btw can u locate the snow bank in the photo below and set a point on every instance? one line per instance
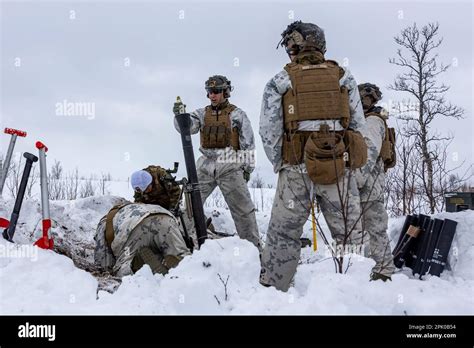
(36, 281)
(73, 224)
(221, 278)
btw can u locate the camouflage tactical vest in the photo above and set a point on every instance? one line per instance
(388, 149)
(165, 192)
(217, 132)
(315, 95)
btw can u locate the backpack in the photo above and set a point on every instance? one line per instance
(388, 151)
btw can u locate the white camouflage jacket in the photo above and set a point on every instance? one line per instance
(371, 177)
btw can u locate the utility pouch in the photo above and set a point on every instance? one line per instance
(388, 151)
(293, 147)
(324, 160)
(356, 148)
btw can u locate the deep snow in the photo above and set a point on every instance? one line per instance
(35, 281)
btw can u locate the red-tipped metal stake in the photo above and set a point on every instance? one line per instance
(44, 242)
(4, 168)
(4, 223)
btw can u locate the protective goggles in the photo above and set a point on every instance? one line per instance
(214, 90)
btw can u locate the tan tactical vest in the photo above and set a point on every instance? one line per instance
(217, 132)
(388, 150)
(315, 95)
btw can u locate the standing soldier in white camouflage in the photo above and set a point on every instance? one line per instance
(371, 181)
(310, 110)
(227, 145)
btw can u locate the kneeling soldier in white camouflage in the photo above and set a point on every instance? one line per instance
(371, 180)
(144, 232)
(227, 145)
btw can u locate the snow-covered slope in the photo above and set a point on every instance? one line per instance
(221, 278)
(73, 224)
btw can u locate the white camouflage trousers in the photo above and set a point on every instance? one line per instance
(229, 178)
(375, 223)
(292, 208)
(159, 232)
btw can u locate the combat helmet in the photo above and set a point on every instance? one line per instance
(369, 90)
(299, 36)
(219, 83)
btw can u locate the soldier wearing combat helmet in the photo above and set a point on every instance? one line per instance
(371, 181)
(311, 113)
(225, 133)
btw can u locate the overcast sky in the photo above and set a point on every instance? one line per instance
(129, 60)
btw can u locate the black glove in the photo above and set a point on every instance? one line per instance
(246, 176)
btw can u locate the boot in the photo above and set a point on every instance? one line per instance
(147, 256)
(377, 276)
(171, 261)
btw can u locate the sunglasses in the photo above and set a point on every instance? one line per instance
(215, 90)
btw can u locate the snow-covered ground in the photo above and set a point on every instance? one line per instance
(221, 278)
